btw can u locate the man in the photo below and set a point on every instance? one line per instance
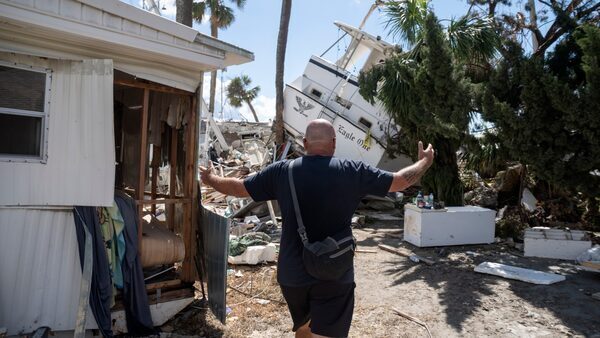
(328, 191)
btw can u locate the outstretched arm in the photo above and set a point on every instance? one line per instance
(226, 185)
(410, 175)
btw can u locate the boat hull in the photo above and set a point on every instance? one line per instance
(352, 142)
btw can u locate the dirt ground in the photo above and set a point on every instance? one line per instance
(448, 296)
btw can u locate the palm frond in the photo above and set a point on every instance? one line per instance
(405, 18)
(239, 3)
(199, 11)
(473, 38)
(238, 91)
(223, 15)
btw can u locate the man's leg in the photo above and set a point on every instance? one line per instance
(331, 308)
(299, 306)
(304, 331)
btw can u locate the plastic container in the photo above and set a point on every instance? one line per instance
(420, 200)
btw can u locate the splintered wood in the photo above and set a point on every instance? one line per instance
(210, 195)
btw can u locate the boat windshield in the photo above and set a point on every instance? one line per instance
(364, 51)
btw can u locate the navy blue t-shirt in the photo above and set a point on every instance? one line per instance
(329, 190)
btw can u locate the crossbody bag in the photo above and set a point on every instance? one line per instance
(328, 259)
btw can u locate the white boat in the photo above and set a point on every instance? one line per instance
(329, 90)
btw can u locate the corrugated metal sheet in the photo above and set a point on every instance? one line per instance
(40, 274)
(215, 232)
(80, 163)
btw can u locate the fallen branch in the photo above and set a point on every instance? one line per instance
(255, 296)
(409, 317)
(405, 253)
(365, 251)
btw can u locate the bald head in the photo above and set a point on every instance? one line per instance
(319, 138)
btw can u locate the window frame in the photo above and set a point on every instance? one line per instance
(43, 156)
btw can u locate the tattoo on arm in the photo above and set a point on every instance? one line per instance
(408, 176)
(412, 175)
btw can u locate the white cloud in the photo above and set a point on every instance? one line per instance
(263, 105)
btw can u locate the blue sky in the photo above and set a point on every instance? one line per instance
(311, 31)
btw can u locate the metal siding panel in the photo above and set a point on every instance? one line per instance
(51, 6)
(92, 15)
(40, 269)
(166, 37)
(80, 165)
(70, 9)
(111, 21)
(28, 3)
(132, 27)
(215, 231)
(149, 32)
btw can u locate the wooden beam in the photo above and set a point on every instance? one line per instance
(152, 86)
(163, 285)
(143, 162)
(183, 200)
(405, 253)
(170, 295)
(158, 195)
(188, 274)
(173, 178)
(155, 174)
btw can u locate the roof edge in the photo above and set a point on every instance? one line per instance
(129, 12)
(225, 46)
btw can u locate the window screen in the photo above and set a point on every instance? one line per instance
(20, 135)
(22, 112)
(22, 89)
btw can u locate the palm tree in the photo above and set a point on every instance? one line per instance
(284, 23)
(425, 89)
(184, 11)
(472, 38)
(221, 17)
(238, 92)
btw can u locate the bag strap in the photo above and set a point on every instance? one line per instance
(301, 228)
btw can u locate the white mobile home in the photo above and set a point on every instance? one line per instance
(94, 94)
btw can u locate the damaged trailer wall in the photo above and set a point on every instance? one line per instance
(40, 273)
(80, 142)
(215, 233)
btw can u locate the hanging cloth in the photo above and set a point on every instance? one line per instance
(101, 288)
(135, 299)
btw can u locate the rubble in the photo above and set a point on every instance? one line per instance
(482, 196)
(555, 243)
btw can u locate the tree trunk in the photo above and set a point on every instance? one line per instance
(252, 110)
(592, 214)
(442, 178)
(533, 22)
(214, 32)
(284, 23)
(184, 12)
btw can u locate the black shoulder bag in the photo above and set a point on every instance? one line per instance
(327, 259)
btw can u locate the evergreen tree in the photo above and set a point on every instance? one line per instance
(546, 111)
(430, 98)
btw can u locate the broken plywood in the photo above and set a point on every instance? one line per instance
(522, 274)
(555, 243)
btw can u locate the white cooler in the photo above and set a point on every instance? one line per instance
(450, 226)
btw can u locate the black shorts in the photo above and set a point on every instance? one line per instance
(328, 306)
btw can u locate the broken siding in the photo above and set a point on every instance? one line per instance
(80, 155)
(40, 272)
(215, 232)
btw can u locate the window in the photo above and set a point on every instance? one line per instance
(365, 122)
(24, 95)
(343, 102)
(316, 93)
